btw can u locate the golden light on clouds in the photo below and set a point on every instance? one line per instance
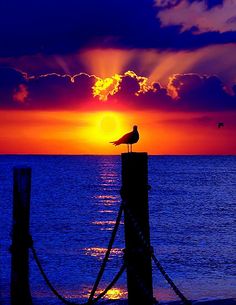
(144, 82)
(160, 65)
(156, 65)
(104, 87)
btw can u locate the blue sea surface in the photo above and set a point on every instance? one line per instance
(75, 200)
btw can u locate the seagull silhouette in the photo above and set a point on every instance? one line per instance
(129, 139)
(220, 124)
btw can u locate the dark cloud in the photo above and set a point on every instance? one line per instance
(185, 92)
(201, 93)
(60, 92)
(158, 98)
(128, 87)
(58, 27)
(11, 78)
(11, 83)
(155, 98)
(51, 91)
(63, 27)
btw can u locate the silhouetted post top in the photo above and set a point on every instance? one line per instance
(22, 168)
(135, 153)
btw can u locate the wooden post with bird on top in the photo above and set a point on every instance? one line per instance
(134, 193)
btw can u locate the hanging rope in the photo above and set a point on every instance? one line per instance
(49, 284)
(62, 298)
(93, 300)
(170, 282)
(112, 283)
(139, 232)
(106, 257)
(100, 273)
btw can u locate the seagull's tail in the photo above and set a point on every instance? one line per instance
(114, 143)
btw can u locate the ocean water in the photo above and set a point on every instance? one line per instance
(75, 200)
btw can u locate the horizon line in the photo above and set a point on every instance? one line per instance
(58, 154)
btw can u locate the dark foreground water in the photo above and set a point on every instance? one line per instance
(75, 200)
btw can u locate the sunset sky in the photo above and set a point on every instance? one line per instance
(77, 74)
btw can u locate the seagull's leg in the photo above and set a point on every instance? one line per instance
(128, 147)
(131, 147)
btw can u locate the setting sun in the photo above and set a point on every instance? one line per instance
(108, 123)
(105, 126)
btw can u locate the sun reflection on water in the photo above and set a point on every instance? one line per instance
(100, 252)
(106, 225)
(106, 197)
(106, 211)
(114, 293)
(107, 200)
(105, 222)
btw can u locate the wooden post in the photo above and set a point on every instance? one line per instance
(138, 255)
(20, 290)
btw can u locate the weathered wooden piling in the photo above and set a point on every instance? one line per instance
(137, 234)
(20, 290)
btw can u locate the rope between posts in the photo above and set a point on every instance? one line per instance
(154, 258)
(106, 257)
(93, 300)
(112, 283)
(62, 298)
(169, 281)
(54, 291)
(100, 273)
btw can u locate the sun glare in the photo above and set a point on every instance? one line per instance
(108, 124)
(104, 127)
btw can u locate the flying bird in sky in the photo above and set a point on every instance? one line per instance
(220, 124)
(129, 139)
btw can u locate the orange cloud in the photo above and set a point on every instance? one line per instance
(20, 94)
